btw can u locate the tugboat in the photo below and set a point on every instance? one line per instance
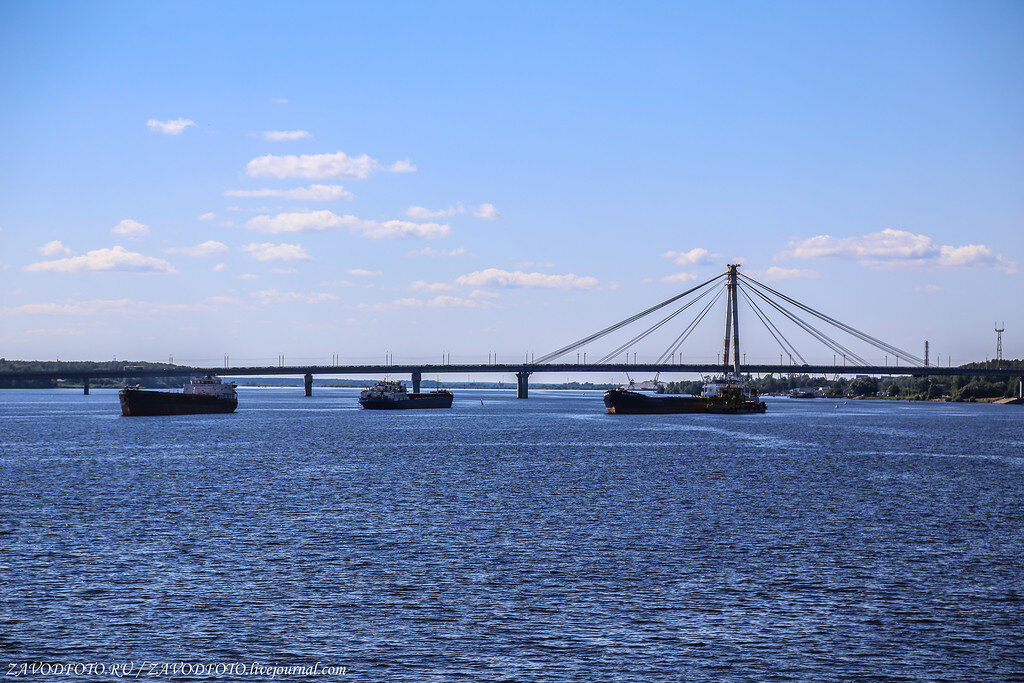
(199, 396)
(390, 395)
(731, 396)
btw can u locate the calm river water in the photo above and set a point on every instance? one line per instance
(515, 540)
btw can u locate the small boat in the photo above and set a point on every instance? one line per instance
(199, 396)
(390, 395)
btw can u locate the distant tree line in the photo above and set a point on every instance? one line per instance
(75, 369)
(964, 387)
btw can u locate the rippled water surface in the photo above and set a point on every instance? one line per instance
(516, 540)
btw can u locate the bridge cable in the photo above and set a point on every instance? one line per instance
(608, 330)
(678, 342)
(810, 329)
(649, 330)
(791, 350)
(863, 336)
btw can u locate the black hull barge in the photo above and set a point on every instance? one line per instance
(200, 397)
(387, 395)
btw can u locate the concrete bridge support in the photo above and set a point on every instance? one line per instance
(307, 381)
(417, 377)
(523, 384)
(85, 385)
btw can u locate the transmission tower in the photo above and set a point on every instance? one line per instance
(999, 341)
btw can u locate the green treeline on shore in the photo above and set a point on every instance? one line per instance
(75, 370)
(964, 387)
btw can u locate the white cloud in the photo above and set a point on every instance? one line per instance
(220, 268)
(313, 193)
(430, 251)
(54, 248)
(284, 271)
(278, 100)
(421, 213)
(272, 296)
(420, 285)
(362, 272)
(446, 301)
(208, 216)
(898, 249)
(103, 307)
(172, 127)
(336, 165)
(928, 289)
(504, 278)
(679, 277)
(116, 260)
(487, 211)
(248, 276)
(442, 301)
(207, 248)
(777, 273)
(693, 257)
(484, 293)
(130, 229)
(285, 135)
(320, 221)
(404, 166)
(276, 252)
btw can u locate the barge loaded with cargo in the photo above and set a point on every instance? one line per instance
(728, 395)
(390, 395)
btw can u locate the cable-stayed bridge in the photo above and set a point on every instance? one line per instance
(781, 316)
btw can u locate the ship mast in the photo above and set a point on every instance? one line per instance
(732, 322)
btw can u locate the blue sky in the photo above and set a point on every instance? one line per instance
(475, 178)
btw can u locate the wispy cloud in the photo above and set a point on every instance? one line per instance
(679, 277)
(321, 221)
(285, 135)
(208, 216)
(172, 127)
(131, 229)
(693, 257)
(440, 253)
(207, 248)
(116, 260)
(54, 248)
(504, 278)
(279, 100)
(403, 166)
(313, 193)
(898, 249)
(777, 273)
(362, 272)
(276, 252)
(420, 285)
(487, 212)
(104, 307)
(422, 213)
(442, 301)
(317, 166)
(272, 296)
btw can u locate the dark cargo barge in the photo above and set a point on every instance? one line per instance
(387, 395)
(199, 397)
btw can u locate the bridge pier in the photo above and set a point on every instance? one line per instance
(523, 384)
(85, 385)
(417, 377)
(308, 383)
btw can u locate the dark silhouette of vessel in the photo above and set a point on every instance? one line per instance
(389, 395)
(199, 396)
